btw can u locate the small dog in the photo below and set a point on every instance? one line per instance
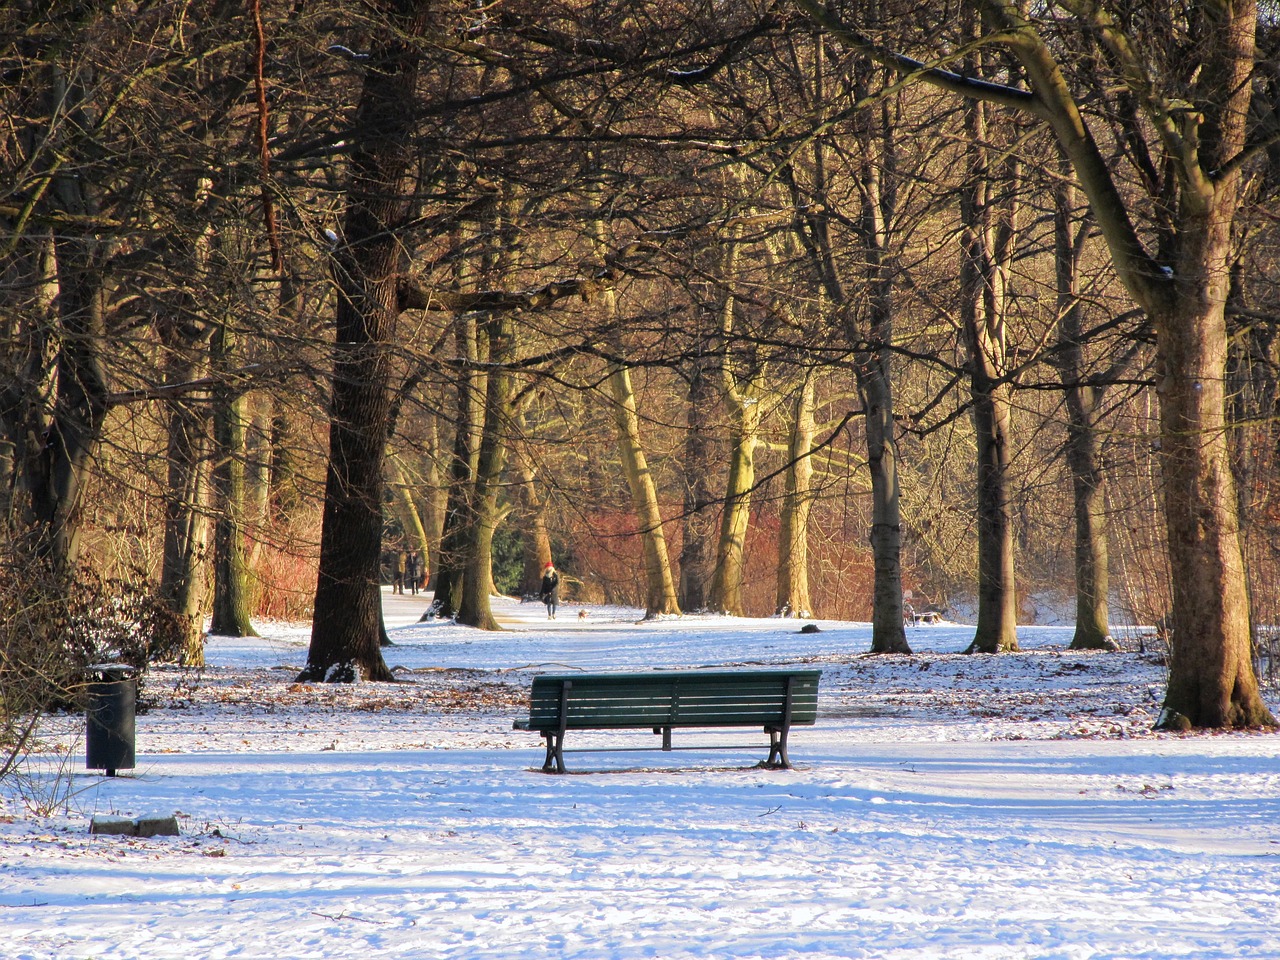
(582, 614)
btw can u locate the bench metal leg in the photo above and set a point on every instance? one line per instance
(778, 736)
(778, 749)
(554, 762)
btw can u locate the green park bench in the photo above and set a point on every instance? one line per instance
(661, 701)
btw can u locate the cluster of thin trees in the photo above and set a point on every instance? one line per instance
(746, 307)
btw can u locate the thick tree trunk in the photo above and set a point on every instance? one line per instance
(80, 401)
(28, 331)
(1211, 677)
(347, 628)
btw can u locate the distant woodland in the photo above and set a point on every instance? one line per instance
(850, 310)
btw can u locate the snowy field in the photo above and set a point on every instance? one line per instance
(944, 806)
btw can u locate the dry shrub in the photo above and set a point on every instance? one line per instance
(608, 559)
(284, 575)
(52, 627)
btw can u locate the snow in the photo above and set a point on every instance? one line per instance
(977, 807)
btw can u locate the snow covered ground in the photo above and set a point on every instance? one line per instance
(985, 808)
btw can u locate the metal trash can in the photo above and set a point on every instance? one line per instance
(112, 695)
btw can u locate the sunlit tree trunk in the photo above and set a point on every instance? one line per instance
(477, 583)
(741, 395)
(792, 595)
(660, 589)
(231, 614)
(185, 551)
(735, 517)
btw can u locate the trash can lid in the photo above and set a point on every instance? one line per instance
(111, 671)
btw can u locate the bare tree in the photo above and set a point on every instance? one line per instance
(1183, 109)
(347, 627)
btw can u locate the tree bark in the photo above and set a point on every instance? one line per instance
(697, 549)
(740, 395)
(1083, 455)
(987, 240)
(185, 550)
(875, 387)
(792, 595)
(735, 517)
(660, 589)
(477, 583)
(231, 613)
(80, 399)
(347, 628)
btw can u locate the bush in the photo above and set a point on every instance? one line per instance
(52, 628)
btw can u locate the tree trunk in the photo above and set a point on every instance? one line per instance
(80, 401)
(231, 614)
(463, 464)
(742, 399)
(1082, 453)
(185, 551)
(697, 549)
(1211, 677)
(660, 595)
(888, 633)
(792, 595)
(987, 249)
(660, 589)
(477, 581)
(875, 387)
(29, 332)
(437, 498)
(735, 520)
(347, 629)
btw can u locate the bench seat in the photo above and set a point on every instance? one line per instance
(663, 700)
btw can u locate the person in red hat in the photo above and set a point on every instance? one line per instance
(550, 592)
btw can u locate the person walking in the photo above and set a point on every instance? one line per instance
(550, 592)
(411, 575)
(397, 584)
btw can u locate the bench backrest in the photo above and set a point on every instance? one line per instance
(675, 698)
